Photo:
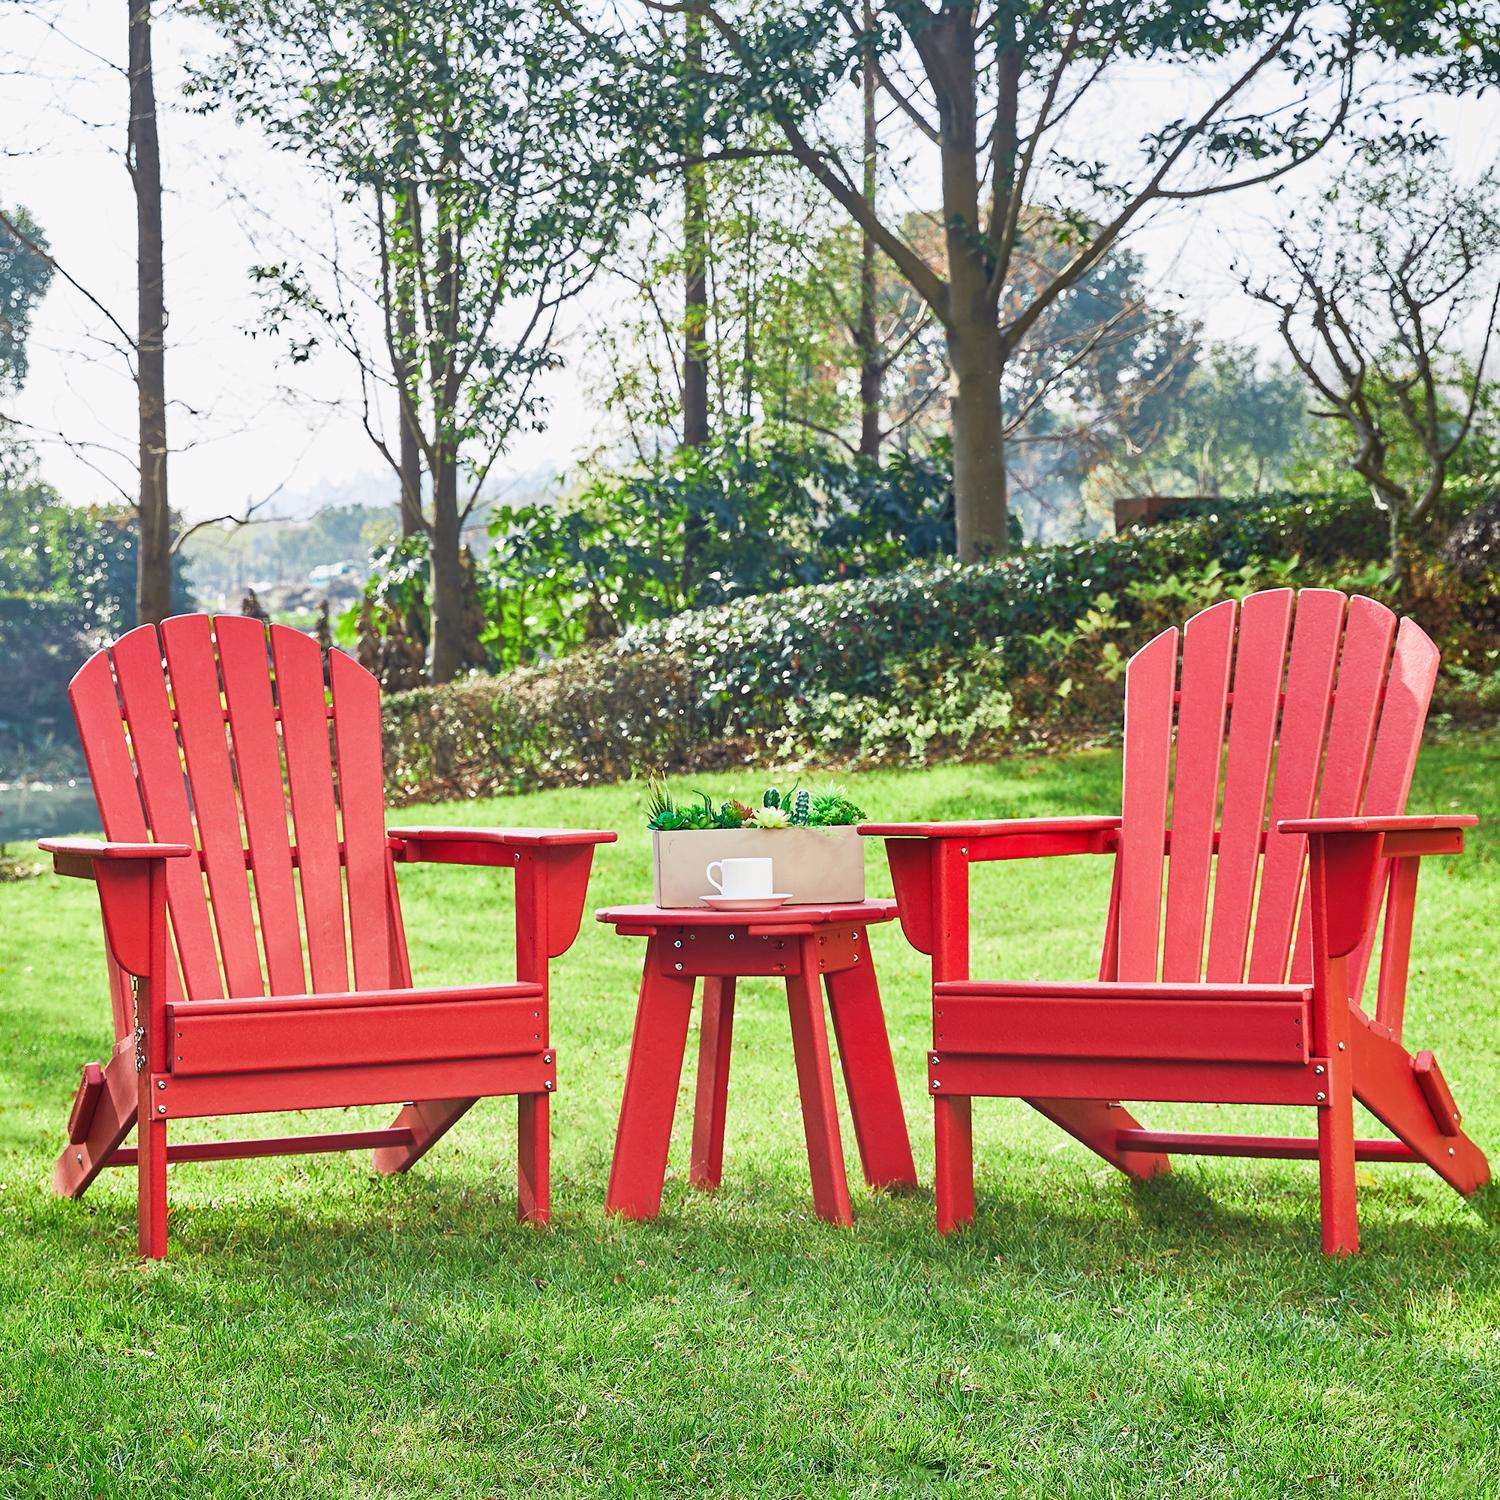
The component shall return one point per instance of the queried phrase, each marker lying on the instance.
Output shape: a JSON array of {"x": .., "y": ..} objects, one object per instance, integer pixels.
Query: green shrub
[
  {"x": 753, "y": 659},
  {"x": 593, "y": 716},
  {"x": 930, "y": 661}
]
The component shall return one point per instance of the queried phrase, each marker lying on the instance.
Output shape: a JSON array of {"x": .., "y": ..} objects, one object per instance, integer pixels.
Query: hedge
[{"x": 717, "y": 685}]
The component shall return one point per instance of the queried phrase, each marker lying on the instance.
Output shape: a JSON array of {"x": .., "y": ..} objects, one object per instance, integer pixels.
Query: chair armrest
[
  {"x": 996, "y": 838},
  {"x": 1400, "y": 823},
  {"x": 1400, "y": 835},
  {"x": 1348, "y": 855},
  {"x": 132, "y": 897},
  {"x": 552, "y": 876},
  {"x": 989, "y": 828},
  {"x": 76, "y": 856},
  {"x": 481, "y": 846}
]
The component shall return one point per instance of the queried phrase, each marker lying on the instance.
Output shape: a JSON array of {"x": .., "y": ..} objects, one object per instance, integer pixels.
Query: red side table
[{"x": 805, "y": 944}]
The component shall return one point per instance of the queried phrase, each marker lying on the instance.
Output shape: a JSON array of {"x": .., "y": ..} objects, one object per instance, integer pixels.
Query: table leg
[
  {"x": 652, "y": 1078},
  {"x": 820, "y": 1120},
  {"x": 870, "y": 1076},
  {"x": 716, "y": 1032}
]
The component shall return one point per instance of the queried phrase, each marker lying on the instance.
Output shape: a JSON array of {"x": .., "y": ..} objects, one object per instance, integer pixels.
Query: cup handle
[{"x": 716, "y": 882}]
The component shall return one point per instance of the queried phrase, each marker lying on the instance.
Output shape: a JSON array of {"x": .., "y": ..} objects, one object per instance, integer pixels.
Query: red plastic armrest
[
  {"x": 76, "y": 856},
  {"x": 447, "y": 845},
  {"x": 1400, "y": 835},
  {"x": 989, "y": 828},
  {"x": 1001, "y": 838},
  {"x": 1400, "y": 823}
]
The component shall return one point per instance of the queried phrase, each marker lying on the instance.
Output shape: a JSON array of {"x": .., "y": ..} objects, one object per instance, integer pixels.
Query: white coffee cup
[{"x": 741, "y": 879}]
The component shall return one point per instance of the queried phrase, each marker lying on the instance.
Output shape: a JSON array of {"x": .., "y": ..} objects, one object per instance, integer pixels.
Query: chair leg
[
  {"x": 716, "y": 1035},
  {"x": 79, "y": 1163},
  {"x": 1336, "y": 1188},
  {"x": 953, "y": 1131},
  {"x": 534, "y": 1158},
  {"x": 820, "y": 1119},
  {"x": 428, "y": 1120},
  {"x": 151, "y": 1189}
]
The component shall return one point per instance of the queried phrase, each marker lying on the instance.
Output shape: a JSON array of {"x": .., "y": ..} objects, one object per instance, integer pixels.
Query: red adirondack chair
[
  {"x": 1259, "y": 1002},
  {"x": 228, "y": 859}
]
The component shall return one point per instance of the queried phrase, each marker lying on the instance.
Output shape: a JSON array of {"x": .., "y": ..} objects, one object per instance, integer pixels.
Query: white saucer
[{"x": 746, "y": 903}]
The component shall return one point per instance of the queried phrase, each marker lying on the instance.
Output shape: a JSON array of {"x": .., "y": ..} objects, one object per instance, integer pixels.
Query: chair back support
[
  {"x": 220, "y": 733},
  {"x": 1281, "y": 705}
]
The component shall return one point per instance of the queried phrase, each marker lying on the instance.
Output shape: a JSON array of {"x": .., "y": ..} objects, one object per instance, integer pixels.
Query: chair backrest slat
[
  {"x": 1207, "y": 650},
  {"x": 309, "y": 766},
  {"x": 1265, "y": 620},
  {"x": 1150, "y": 681},
  {"x": 1299, "y": 757},
  {"x": 356, "y": 731},
  {"x": 1393, "y": 761},
  {"x": 1321, "y": 697},
  {"x": 1368, "y": 631},
  {"x": 193, "y": 669},
  {"x": 106, "y": 752},
  {"x": 244, "y": 665},
  {"x": 217, "y": 733},
  {"x": 158, "y": 764}
]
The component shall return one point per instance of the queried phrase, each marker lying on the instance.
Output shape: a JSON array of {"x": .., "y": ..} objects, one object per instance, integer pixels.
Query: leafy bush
[
  {"x": 593, "y": 716},
  {"x": 933, "y": 660},
  {"x": 561, "y": 577},
  {"x": 753, "y": 659}
]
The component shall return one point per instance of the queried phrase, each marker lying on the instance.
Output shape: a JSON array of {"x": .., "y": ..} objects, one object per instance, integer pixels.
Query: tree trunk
[
  {"x": 979, "y": 487},
  {"x": 153, "y": 591},
  {"x": 976, "y": 352},
  {"x": 694, "y": 294},
  {"x": 446, "y": 653},
  {"x": 404, "y": 361},
  {"x": 871, "y": 371}
]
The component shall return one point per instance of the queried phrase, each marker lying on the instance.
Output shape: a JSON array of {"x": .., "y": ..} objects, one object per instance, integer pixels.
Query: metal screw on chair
[
  {"x": 1451, "y": 1151},
  {"x": 161, "y": 1109},
  {"x": 936, "y": 1084},
  {"x": 546, "y": 1057},
  {"x": 1341, "y": 1046},
  {"x": 677, "y": 942},
  {"x": 677, "y": 966},
  {"x": 1320, "y": 1070},
  {"x": 549, "y": 1085},
  {"x": 1321, "y": 1097}
]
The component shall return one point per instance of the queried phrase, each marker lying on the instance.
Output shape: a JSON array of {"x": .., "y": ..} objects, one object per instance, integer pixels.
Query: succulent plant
[{"x": 793, "y": 808}]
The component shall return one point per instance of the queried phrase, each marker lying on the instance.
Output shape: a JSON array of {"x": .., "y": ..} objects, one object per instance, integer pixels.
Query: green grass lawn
[{"x": 318, "y": 1331}]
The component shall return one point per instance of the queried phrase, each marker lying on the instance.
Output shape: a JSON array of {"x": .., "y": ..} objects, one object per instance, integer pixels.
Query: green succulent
[{"x": 795, "y": 807}]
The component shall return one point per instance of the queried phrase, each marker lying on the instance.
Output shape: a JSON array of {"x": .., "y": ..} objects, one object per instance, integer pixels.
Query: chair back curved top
[
  {"x": 1282, "y": 705},
  {"x": 236, "y": 738}
]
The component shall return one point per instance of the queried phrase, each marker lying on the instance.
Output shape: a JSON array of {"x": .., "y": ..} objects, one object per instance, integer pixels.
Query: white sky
[{"x": 252, "y": 422}]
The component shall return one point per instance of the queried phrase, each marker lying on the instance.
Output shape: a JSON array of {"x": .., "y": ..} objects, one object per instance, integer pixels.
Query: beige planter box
[{"x": 817, "y": 866}]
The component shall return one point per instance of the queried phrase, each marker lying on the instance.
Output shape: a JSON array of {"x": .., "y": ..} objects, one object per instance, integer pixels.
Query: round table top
[{"x": 841, "y": 914}]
